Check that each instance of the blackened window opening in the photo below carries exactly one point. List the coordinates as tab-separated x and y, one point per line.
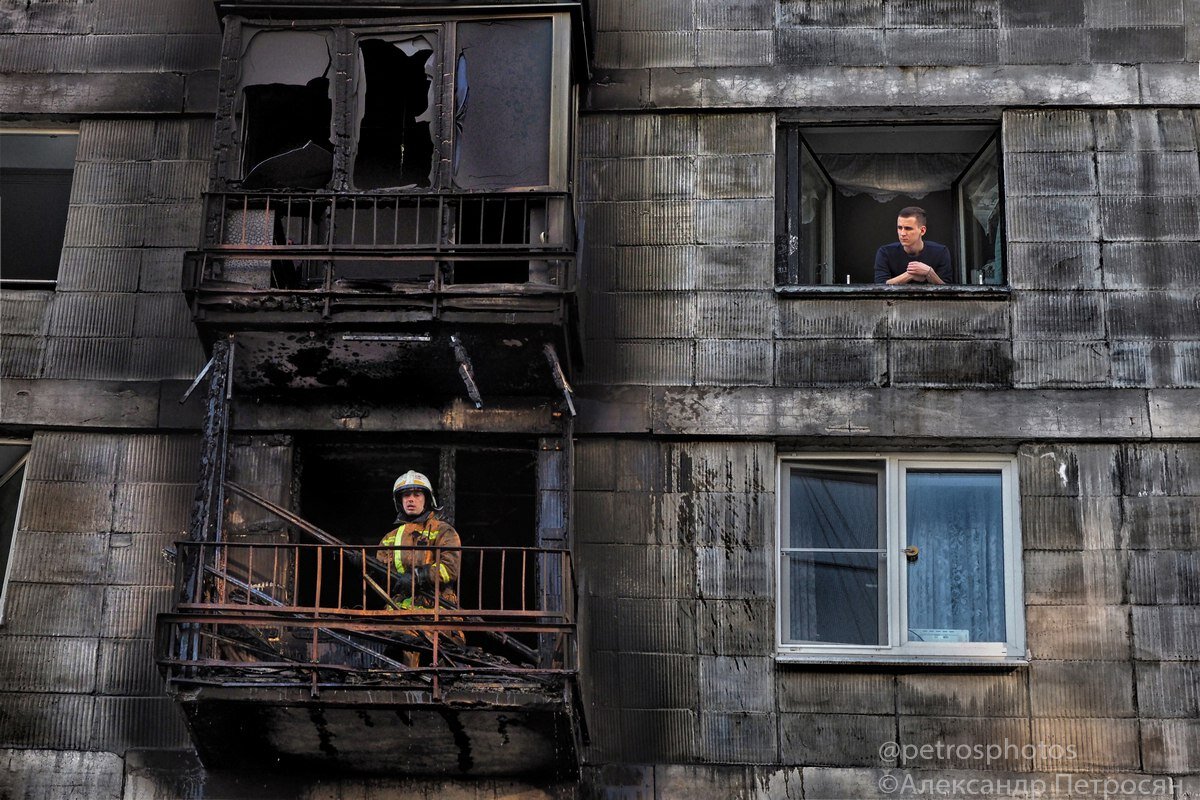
287	136
395	146
500	222
345	489
35	191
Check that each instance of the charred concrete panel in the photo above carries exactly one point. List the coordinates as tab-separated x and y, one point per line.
1128	44
1096	633
737	738
1076	578
651	48
656	626
1160	265
47	774
750	47
1060	45
733	363
1169	689
824	362
43	557
1136	130
1166	633
1099	745
1087	689
742	628
1164	577
963	696
56	664
665	735
828	692
845	739
1171	745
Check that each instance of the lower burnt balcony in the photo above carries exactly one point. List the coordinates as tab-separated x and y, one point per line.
304	656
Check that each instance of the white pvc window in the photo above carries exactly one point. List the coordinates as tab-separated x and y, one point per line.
899	557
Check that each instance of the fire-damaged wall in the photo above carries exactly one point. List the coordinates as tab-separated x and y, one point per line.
703	376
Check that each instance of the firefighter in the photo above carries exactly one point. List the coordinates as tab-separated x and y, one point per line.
418	577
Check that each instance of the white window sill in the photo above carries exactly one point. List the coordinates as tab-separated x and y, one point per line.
871	660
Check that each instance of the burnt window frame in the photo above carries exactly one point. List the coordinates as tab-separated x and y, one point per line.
791	145
58	243
346	35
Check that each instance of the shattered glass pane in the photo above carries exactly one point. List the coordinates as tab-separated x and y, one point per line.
502	108
286	110
394	104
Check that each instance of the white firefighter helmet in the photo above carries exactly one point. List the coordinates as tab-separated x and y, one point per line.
413	480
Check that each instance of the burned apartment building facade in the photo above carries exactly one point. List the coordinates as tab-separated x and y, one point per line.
735	520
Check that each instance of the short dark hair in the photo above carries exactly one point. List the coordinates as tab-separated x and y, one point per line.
913	211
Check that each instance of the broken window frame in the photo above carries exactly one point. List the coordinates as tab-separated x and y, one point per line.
792	270
897	643
16	473
56	241
346	37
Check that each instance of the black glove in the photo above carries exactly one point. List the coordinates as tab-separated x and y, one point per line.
424	576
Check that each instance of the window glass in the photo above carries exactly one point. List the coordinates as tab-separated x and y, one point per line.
816	220
897	557
35	191
502	104
981	219
835	567
956	584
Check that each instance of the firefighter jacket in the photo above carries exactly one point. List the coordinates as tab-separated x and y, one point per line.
426	532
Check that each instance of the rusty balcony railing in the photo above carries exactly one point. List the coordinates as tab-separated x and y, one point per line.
326	243
320	616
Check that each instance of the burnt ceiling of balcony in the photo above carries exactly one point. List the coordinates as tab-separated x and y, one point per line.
468	733
436	364
328	7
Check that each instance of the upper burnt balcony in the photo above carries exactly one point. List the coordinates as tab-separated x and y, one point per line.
287	259
382	171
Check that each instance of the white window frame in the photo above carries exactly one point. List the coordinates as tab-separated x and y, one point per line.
893	487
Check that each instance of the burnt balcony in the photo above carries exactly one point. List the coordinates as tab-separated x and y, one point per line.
304	656
377	287
278	260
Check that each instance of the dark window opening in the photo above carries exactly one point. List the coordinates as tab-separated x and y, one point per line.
12	476
35	191
395	139
841	189
488	494
500	222
286	110
287	136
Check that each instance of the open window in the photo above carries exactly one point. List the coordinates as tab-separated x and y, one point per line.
840	189
899	557
13	456
35	190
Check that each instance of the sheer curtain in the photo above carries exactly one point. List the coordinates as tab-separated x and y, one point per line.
956	520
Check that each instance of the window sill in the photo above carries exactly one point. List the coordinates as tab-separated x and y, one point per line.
853	291
906	662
